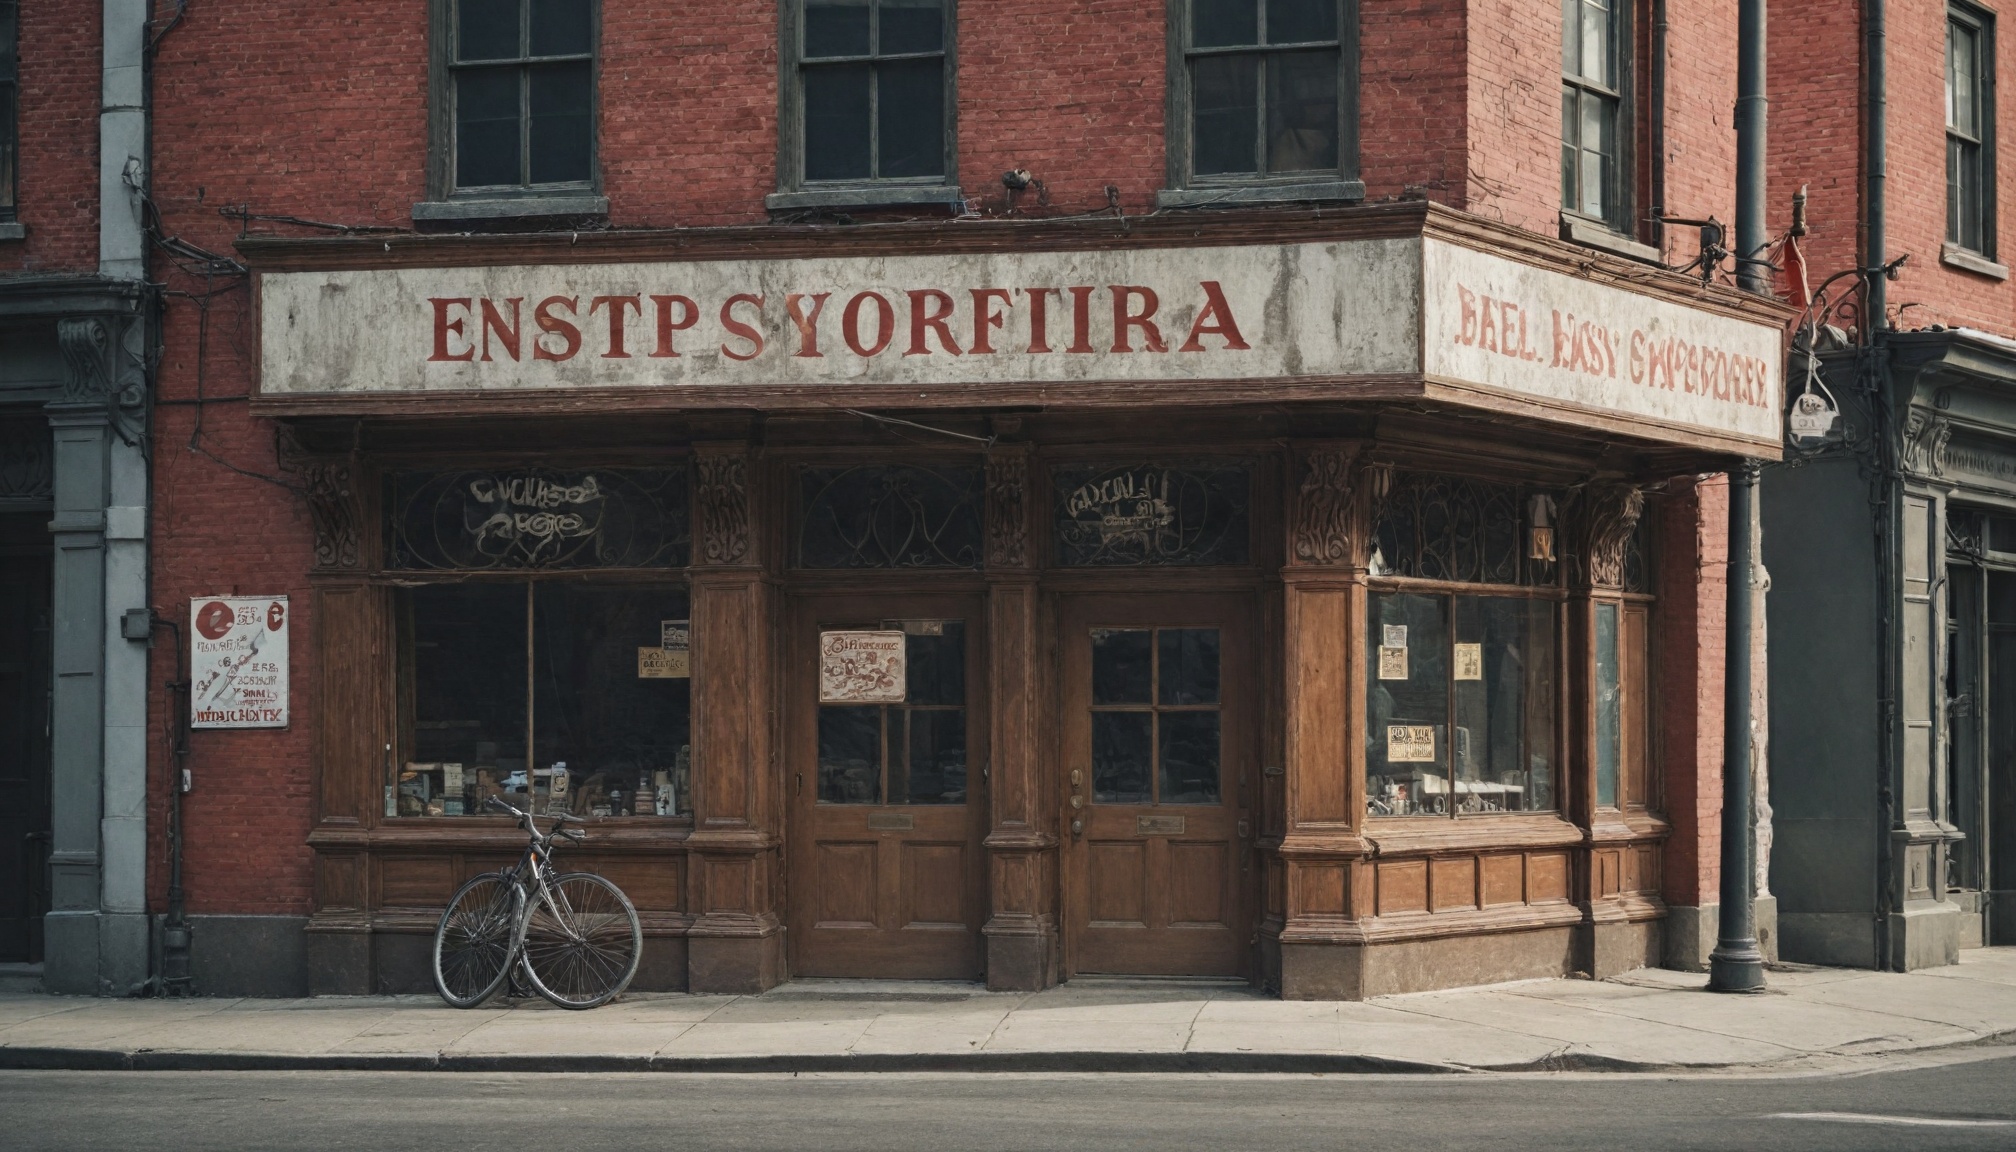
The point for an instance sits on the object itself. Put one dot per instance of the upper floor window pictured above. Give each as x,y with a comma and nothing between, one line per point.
870,99
1264,92
10,92
1592,111
1970,188
515,84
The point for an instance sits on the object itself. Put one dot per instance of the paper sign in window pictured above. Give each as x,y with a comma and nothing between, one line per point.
1469,662
862,668
1392,663
1410,743
1395,636
664,664
675,635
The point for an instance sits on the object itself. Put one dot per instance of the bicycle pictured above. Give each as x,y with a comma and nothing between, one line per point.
574,934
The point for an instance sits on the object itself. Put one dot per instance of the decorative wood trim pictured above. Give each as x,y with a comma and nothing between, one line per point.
1609,514
1337,505
1008,508
722,501
335,502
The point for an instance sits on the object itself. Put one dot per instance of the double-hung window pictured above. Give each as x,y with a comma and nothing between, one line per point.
868,117
10,94
1593,123
1263,100
515,120
1970,187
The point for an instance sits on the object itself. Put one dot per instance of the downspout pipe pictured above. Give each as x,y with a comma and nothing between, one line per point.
1888,526
1737,964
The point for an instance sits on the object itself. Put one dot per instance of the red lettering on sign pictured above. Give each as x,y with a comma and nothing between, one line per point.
1039,317
850,323
807,323
1081,320
666,325
616,304
933,319
1125,319
985,319
551,325
444,327
493,321
738,328
1218,310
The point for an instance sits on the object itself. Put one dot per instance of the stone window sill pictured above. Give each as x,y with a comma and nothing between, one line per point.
510,207
1596,234
1245,195
867,196
13,230
1954,256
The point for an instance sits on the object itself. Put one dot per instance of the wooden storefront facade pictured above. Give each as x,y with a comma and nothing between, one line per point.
1334,669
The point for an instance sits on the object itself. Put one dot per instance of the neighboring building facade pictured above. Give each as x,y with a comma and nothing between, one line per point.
76,338
1892,543
1244,540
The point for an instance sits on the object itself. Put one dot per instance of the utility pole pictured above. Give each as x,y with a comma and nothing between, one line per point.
1737,965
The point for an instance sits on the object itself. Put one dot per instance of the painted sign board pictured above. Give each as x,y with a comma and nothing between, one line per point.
238,661
1473,327
863,667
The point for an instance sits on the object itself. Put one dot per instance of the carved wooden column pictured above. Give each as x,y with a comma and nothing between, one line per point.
1334,492
736,943
352,697
1021,840
1602,521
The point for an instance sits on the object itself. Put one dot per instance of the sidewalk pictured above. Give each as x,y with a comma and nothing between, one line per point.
1649,1020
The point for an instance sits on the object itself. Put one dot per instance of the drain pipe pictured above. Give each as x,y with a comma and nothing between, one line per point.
1737,965
1875,322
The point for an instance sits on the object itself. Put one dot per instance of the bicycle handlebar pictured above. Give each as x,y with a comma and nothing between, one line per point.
524,818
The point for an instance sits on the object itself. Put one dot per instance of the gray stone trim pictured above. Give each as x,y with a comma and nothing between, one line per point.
1955,256
13,230
866,196
510,207
1596,234
1249,195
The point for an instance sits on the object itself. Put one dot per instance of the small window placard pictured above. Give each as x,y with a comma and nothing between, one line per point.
862,667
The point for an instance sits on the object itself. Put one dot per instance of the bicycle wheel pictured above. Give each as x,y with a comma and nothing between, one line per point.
582,950
472,944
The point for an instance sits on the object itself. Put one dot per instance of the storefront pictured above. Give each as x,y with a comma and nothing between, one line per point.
1892,550
1266,595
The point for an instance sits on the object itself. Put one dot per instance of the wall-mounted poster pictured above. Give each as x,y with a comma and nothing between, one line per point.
238,662
862,668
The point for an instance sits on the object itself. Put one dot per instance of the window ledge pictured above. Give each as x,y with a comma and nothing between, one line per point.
1240,195
1594,234
511,207
866,196
1955,256
13,230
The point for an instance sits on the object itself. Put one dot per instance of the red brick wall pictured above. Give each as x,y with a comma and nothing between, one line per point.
1700,110
1693,592
1514,54
57,184
1413,99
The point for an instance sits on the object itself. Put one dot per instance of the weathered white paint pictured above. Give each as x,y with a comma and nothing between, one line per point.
1564,340
1485,328
238,662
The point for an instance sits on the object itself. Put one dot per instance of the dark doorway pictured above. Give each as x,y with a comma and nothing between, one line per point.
24,733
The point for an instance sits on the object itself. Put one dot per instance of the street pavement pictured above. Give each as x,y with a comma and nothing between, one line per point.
1924,1102
1649,1020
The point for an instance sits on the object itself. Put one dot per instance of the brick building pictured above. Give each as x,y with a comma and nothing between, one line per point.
1285,535
1891,538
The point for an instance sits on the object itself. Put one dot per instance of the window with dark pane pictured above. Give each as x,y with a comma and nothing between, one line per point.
522,81
1152,514
908,753
538,518
1455,528
872,89
1265,81
1970,185
1592,110
889,516
10,99
1609,705
1155,716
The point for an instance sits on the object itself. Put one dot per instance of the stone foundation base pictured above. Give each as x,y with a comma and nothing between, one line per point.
1356,971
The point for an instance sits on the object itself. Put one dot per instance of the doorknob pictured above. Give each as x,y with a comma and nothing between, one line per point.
1077,829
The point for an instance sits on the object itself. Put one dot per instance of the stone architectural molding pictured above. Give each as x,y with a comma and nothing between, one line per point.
1926,437
1609,515
335,506
87,345
1337,506
1007,510
27,461
724,509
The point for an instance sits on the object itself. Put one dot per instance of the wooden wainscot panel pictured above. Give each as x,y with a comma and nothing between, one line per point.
339,881
1546,877
1504,879
1403,887
415,881
1609,867
725,885
1644,875
654,885
1319,889
1453,883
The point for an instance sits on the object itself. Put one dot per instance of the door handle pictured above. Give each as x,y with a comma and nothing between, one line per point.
1077,829
801,784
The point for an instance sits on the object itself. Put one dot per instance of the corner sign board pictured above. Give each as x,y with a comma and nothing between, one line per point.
862,668
238,662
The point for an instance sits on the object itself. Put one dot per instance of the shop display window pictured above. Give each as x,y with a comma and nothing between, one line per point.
1466,531
1152,514
569,696
908,753
1460,704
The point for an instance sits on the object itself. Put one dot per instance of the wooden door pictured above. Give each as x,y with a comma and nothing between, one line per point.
1157,740
24,718
888,799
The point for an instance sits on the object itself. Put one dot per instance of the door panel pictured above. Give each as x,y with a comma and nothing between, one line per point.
888,799
1156,742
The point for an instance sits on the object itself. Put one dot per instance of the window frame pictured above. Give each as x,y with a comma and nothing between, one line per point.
1982,25
10,118
447,201
1577,224
1185,189
795,192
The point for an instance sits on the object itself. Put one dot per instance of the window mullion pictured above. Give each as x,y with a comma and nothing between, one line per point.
1260,156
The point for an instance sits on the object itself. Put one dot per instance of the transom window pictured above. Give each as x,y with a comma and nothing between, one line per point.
1266,84
1969,134
521,83
873,90
1592,104
1155,716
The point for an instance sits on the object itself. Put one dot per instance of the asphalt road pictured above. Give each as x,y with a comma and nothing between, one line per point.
1966,1104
